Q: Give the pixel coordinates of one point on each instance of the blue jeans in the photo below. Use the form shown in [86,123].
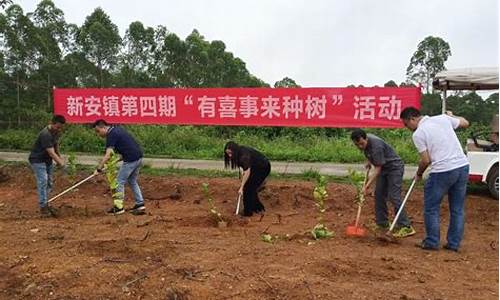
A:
[129,171]
[453,183]
[43,174]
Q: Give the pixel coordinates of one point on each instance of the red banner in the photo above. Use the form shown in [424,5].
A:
[294,107]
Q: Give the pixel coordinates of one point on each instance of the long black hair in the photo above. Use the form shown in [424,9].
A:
[233,160]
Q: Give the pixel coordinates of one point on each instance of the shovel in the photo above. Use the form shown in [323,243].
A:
[388,235]
[71,188]
[356,230]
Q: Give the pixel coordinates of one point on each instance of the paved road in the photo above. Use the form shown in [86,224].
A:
[277,166]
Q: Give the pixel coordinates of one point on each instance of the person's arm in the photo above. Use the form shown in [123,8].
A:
[462,122]
[104,160]
[56,148]
[51,151]
[376,172]
[47,143]
[244,179]
[425,161]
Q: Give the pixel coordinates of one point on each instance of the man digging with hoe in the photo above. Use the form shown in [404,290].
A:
[119,140]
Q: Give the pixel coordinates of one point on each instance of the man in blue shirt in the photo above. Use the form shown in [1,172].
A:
[120,141]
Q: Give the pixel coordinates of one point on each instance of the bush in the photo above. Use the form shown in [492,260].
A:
[207,142]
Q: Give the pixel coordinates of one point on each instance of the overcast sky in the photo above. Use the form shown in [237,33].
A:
[321,43]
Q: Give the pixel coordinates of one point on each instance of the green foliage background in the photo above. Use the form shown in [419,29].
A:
[40,50]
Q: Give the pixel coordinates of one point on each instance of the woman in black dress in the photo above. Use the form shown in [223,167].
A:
[256,168]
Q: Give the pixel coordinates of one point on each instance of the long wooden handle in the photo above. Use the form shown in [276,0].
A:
[238,205]
[71,188]
[366,176]
[358,215]
[403,204]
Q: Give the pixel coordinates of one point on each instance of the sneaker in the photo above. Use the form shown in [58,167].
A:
[422,245]
[138,209]
[405,231]
[116,211]
[382,227]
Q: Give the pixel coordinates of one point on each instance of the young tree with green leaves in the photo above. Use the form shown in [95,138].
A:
[320,231]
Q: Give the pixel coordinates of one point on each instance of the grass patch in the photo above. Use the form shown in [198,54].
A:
[207,142]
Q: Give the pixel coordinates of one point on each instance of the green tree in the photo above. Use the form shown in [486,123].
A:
[54,36]
[427,61]
[430,104]
[100,42]
[39,50]
[406,84]
[473,107]
[158,70]
[197,62]
[53,29]
[390,83]
[286,83]
[137,56]
[80,72]
[20,51]
[169,60]
[4,3]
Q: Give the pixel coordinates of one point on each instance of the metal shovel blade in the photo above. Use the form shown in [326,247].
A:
[355,231]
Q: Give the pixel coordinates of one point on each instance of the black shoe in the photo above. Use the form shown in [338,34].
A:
[422,245]
[48,212]
[447,247]
[53,211]
[138,209]
[45,212]
[116,211]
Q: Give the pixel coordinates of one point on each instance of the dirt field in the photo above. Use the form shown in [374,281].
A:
[177,252]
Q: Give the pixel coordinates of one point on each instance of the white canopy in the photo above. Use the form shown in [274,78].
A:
[467,79]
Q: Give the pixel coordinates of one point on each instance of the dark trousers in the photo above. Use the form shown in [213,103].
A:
[389,189]
[251,202]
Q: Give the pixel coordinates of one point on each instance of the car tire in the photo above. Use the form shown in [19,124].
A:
[492,181]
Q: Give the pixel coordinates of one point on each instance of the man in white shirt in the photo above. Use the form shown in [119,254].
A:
[438,146]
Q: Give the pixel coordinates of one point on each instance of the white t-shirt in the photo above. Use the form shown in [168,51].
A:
[436,135]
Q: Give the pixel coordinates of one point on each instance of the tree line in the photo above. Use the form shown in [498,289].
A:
[40,50]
